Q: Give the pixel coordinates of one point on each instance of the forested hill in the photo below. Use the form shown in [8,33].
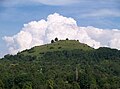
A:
[64,64]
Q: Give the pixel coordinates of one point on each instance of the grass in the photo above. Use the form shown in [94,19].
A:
[57,46]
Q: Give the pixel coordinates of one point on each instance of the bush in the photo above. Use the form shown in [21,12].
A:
[59,47]
[67,39]
[56,39]
[51,47]
[52,41]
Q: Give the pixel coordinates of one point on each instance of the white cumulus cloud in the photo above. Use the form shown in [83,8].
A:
[41,32]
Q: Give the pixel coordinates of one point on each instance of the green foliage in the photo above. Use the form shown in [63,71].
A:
[56,39]
[53,66]
[76,85]
[1,85]
[67,39]
[27,85]
[49,84]
[93,86]
[51,47]
[52,41]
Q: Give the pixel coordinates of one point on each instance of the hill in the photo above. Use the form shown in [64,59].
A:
[64,64]
[57,46]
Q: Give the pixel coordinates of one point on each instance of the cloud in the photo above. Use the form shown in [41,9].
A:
[103,13]
[41,32]
[45,2]
[56,2]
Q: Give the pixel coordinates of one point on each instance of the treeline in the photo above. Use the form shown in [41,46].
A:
[98,54]
[65,69]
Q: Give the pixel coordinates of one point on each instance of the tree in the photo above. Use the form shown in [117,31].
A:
[56,39]
[49,84]
[76,85]
[15,87]
[52,41]
[1,85]
[27,85]
[93,86]
[106,86]
[67,39]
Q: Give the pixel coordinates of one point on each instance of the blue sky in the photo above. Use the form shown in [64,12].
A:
[103,14]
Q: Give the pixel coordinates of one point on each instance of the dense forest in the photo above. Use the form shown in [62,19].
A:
[64,64]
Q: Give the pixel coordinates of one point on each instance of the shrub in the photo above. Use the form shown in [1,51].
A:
[56,39]
[51,47]
[59,47]
[52,41]
[67,39]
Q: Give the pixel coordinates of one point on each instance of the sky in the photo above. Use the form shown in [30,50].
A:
[97,21]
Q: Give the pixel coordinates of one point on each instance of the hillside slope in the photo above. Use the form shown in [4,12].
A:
[65,64]
[57,46]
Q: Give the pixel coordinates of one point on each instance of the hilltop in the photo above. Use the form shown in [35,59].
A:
[57,46]
[63,64]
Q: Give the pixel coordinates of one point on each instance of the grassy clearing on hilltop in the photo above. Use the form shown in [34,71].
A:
[58,46]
